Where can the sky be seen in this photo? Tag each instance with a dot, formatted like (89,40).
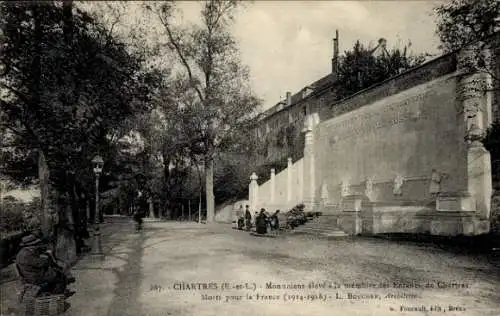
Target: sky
(289,44)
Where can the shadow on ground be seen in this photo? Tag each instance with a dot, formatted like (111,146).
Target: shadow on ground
(126,294)
(486,245)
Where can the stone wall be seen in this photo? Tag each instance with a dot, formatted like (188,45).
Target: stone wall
(406,135)
(406,156)
(429,71)
(402,156)
(283,190)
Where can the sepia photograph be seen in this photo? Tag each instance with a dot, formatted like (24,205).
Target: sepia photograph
(256,158)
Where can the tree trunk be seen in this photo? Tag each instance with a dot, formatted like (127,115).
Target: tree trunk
(66,243)
(77,215)
(43,176)
(209,188)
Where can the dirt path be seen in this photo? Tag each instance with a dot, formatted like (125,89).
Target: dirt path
(179,269)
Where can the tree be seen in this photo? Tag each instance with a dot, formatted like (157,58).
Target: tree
(360,69)
(461,22)
(216,83)
(64,82)
(469,25)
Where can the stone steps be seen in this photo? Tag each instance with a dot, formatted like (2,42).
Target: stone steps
(319,227)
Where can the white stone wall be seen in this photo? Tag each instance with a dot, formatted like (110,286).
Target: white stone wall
(284,190)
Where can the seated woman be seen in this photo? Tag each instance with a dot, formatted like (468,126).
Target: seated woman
(261,222)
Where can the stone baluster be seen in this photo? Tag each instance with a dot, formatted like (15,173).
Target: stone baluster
(301,180)
(273,185)
(309,167)
(151,208)
(289,180)
(253,194)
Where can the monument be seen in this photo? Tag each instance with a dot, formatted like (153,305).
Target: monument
(402,156)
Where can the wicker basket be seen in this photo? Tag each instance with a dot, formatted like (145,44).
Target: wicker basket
(28,305)
(49,305)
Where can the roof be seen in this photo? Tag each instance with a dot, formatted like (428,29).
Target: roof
(317,85)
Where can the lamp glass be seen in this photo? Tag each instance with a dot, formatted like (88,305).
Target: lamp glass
(98,163)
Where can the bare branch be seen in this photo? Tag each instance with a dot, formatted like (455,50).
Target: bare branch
(17,93)
(181,55)
(15,131)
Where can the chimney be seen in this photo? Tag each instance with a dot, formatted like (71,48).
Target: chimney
(382,42)
(288,98)
(335,59)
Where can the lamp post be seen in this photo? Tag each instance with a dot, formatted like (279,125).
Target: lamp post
(98,163)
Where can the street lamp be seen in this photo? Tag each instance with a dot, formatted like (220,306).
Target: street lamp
(98,163)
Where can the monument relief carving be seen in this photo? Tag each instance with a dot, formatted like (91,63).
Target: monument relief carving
(435,185)
(369,188)
(398,185)
(345,188)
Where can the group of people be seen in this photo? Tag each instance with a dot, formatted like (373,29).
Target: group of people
(262,221)
(40,269)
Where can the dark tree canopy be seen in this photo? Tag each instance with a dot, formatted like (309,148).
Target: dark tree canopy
(65,82)
(463,21)
(360,68)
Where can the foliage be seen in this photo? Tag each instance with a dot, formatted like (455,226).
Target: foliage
(491,142)
(11,217)
(232,176)
(461,22)
(360,69)
(469,25)
(216,98)
(18,161)
(65,82)
(281,140)
(15,216)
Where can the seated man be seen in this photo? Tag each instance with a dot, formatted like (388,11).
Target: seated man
(38,266)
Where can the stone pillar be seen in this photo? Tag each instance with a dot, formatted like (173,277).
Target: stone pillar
(308,168)
(273,185)
(253,194)
(151,208)
(472,100)
(289,181)
(301,180)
